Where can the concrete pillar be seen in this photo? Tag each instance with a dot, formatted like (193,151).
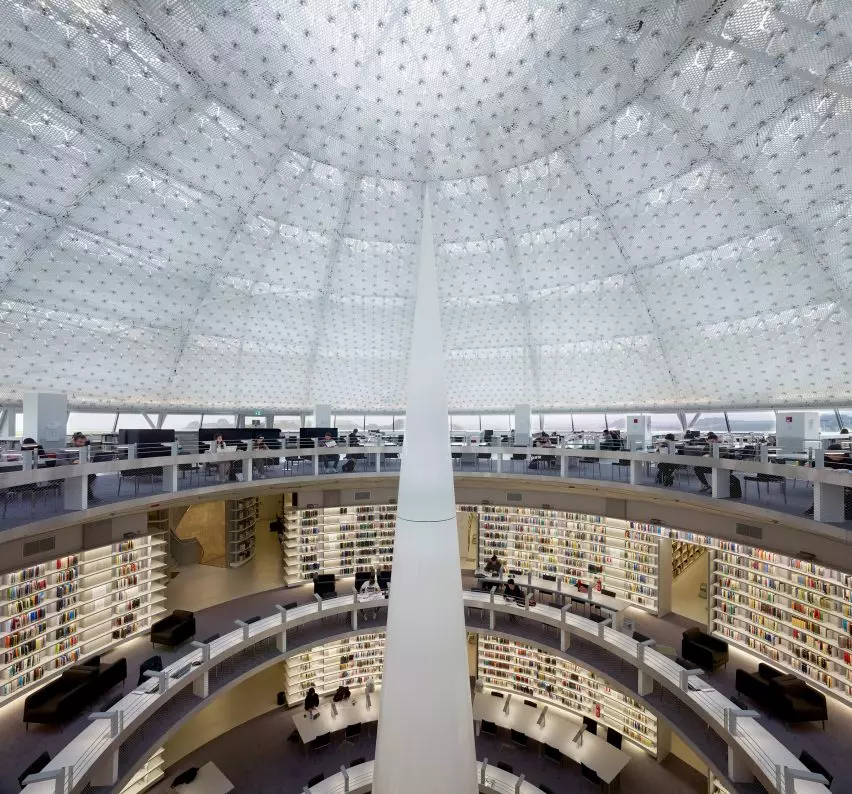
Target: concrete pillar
(523,425)
(170,473)
(426,640)
(7,423)
(75,490)
(322,416)
(45,418)
(720,479)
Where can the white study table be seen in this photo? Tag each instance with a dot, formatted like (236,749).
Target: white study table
(615,606)
(349,712)
(560,730)
(209,780)
(497,781)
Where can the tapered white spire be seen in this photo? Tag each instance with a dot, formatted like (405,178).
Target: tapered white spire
(425,735)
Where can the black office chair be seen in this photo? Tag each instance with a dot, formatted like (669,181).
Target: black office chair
(351,733)
(324,585)
(153,663)
(321,742)
(212,637)
(252,619)
(361,577)
(613,737)
(519,738)
(589,774)
(356,761)
(316,779)
(384,579)
(496,694)
(506,767)
(545,789)
(488,728)
(552,753)
(531,703)
(591,725)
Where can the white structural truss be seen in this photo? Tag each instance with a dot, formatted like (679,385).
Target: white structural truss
(426,650)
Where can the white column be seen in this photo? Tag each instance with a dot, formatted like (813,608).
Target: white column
(45,417)
(425,652)
(7,425)
(170,473)
(322,416)
(75,490)
(523,425)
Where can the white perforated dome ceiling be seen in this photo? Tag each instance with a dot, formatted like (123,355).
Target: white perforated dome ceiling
(638,203)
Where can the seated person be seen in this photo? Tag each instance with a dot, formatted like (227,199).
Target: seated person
(512,591)
(311,700)
(342,693)
(493,565)
(701,472)
(665,471)
(371,586)
(329,460)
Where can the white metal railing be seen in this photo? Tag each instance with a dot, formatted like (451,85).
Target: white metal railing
(73,766)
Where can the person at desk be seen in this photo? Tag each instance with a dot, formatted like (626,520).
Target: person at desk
(30,444)
(493,565)
(219,448)
(371,586)
(701,472)
(81,440)
(329,460)
(514,592)
(311,701)
(665,471)
(260,463)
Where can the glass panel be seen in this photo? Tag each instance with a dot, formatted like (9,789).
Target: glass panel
(616,421)
(828,422)
(287,422)
(465,422)
(499,423)
(711,422)
(381,421)
(665,423)
(559,422)
(19,424)
(535,423)
(752,421)
(85,422)
(346,422)
(218,420)
(589,423)
(132,422)
(310,421)
(399,423)
(845,418)
(182,422)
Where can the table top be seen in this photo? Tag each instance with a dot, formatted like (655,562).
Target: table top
(560,730)
(209,780)
(361,780)
(349,712)
(610,603)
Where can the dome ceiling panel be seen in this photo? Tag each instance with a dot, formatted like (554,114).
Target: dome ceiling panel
(641,203)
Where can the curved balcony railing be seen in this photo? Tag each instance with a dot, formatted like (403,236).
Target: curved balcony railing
(119,740)
(34,487)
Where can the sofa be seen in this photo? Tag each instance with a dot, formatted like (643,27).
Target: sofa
(783,695)
(707,652)
(66,697)
(173,629)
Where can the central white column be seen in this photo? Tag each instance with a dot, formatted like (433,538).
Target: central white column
(425,735)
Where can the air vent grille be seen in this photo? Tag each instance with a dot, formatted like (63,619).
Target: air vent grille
(748,531)
(362,496)
(40,546)
(514,497)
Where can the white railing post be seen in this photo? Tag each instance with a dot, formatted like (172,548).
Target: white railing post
(720,479)
(684,677)
(564,634)
(318,598)
(131,451)
(491,608)
(355,610)
(732,715)
(162,677)
(61,778)
(201,686)
(519,783)
(482,771)
(246,627)
(170,472)
(116,723)
(542,721)
(345,772)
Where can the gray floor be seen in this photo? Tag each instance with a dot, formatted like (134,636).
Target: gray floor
(20,508)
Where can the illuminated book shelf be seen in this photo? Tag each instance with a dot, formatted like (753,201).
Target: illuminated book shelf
(58,612)
(623,555)
(240,530)
(337,540)
(683,555)
(795,613)
(518,667)
(350,662)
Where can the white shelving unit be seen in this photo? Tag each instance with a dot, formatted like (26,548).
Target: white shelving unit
(240,534)
(151,771)
(683,555)
(351,661)
(338,540)
(623,555)
(796,614)
(58,612)
(515,666)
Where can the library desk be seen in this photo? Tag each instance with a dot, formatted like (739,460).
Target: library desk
(561,729)
(349,712)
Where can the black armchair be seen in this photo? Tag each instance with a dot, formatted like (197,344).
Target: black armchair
(708,652)
(173,629)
